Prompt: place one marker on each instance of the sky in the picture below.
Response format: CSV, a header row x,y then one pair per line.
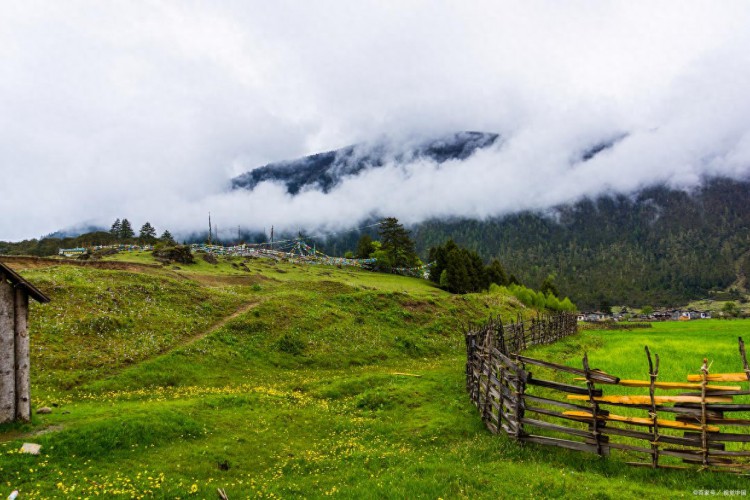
x,y
147,109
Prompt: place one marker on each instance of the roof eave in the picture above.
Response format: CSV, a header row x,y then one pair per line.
x,y
19,282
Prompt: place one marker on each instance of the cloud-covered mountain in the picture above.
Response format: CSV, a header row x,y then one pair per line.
x,y
324,171
151,117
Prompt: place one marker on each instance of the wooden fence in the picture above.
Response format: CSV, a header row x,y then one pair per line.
x,y
684,430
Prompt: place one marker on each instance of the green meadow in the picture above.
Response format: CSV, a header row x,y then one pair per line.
x,y
282,381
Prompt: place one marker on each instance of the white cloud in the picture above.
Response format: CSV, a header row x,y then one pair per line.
x,y
145,110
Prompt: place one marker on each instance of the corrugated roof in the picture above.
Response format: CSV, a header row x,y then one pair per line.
x,y
18,281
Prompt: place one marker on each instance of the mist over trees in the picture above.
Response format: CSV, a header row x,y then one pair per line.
x,y
661,247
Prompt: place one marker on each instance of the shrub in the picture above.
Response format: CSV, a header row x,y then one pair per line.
x,y
290,344
179,253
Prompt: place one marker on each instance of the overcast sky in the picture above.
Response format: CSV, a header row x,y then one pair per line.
x,y
145,110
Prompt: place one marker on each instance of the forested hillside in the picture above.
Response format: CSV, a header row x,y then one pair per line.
x,y
659,247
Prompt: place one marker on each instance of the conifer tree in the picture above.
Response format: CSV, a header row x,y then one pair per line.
x,y
465,270
548,286
397,243
116,228
148,233
126,230
496,274
438,256
458,277
167,238
365,247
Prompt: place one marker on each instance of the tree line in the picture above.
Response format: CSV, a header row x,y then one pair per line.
x,y
460,270
122,231
453,268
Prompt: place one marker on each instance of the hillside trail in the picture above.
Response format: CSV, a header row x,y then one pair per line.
x,y
211,329
19,434
31,262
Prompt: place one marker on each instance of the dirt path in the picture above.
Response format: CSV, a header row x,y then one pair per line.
x,y
40,262
211,329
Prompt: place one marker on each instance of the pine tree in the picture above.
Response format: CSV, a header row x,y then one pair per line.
x,y
365,247
397,243
116,228
475,268
438,256
548,286
496,274
458,279
126,230
148,233
166,237
465,270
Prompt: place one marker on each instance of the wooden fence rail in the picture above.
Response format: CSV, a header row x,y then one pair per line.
x,y
567,407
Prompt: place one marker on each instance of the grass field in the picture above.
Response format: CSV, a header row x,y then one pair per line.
x,y
291,381
681,345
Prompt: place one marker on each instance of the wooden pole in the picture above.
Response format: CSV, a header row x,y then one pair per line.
x,y
23,377
519,393
501,336
594,426
486,371
653,374
501,411
469,354
7,352
704,435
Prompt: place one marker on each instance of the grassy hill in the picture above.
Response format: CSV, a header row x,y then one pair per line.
x,y
278,380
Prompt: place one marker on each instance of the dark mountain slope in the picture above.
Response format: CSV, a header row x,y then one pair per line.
x,y
659,246
326,170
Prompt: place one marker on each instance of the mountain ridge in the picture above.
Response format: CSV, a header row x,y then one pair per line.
x,y
328,169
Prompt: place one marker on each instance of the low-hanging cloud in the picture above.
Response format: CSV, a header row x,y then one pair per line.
x,y
146,110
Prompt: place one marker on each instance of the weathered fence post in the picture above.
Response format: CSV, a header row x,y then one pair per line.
x,y
519,393
469,359
555,321
488,345
653,373
501,337
595,423
704,432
